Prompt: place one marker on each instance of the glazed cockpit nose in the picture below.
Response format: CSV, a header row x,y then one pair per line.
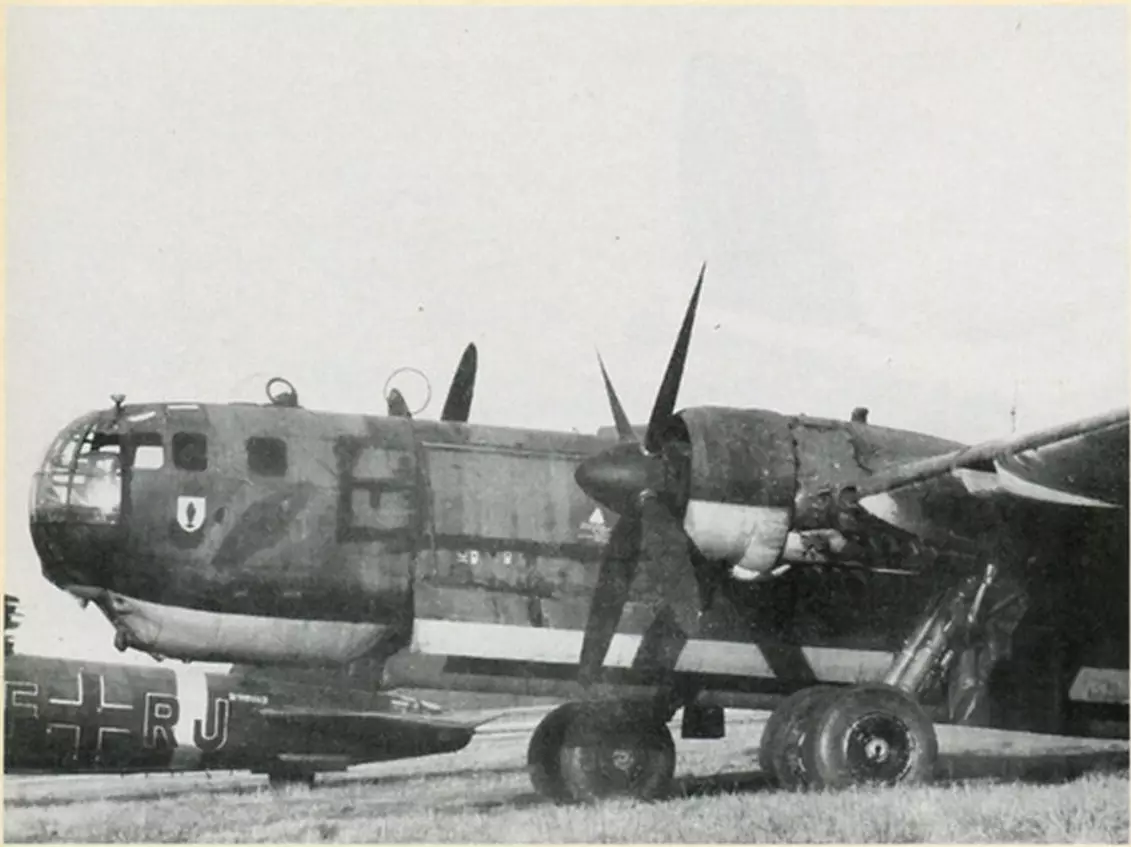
x,y
75,507
80,479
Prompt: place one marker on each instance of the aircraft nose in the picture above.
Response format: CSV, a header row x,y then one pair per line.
x,y
74,507
74,553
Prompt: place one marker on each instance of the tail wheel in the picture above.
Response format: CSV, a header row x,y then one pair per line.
x,y
543,756
780,750
607,753
869,734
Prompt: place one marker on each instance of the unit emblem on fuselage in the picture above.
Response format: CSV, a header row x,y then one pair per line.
x,y
190,513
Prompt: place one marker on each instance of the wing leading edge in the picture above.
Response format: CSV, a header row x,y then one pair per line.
x,y
1083,463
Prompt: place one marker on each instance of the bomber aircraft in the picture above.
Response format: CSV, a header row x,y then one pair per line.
x,y
864,581
70,716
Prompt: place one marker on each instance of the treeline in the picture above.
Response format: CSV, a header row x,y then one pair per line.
x,y
11,621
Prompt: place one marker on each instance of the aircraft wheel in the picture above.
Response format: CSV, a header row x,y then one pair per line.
x,y
543,755
279,778
868,734
608,751
779,752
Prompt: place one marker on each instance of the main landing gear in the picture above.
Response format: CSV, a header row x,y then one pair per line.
x,y
827,738
824,737
820,737
582,752
876,733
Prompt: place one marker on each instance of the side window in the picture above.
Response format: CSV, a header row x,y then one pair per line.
x,y
149,453
190,451
267,456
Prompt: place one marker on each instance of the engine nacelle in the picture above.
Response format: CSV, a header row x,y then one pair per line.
x,y
742,486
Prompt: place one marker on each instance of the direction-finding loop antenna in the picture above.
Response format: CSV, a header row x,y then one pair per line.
x,y
285,395
427,387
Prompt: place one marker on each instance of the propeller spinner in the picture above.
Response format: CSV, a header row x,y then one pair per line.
x,y
640,482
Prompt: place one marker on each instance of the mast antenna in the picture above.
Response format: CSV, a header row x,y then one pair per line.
x,y
1013,411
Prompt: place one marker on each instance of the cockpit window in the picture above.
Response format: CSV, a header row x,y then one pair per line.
x,y
190,451
96,487
267,456
62,456
149,453
52,486
81,478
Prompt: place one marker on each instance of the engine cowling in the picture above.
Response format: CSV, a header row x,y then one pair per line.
x,y
742,483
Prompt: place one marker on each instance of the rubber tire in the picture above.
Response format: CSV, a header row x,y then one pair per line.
x,y
543,754
779,752
848,721
286,778
597,736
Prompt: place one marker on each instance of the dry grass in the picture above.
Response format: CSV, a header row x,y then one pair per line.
x,y
482,795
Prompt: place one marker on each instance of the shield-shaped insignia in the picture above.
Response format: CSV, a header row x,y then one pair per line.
x,y
190,513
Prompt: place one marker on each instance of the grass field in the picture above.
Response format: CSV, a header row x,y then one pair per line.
x,y
994,788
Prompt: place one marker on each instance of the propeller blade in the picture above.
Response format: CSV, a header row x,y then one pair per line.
x,y
668,568
398,408
651,548
669,388
624,428
668,578
618,566
457,407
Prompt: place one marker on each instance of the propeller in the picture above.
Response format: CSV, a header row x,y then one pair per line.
x,y
457,406
641,483
398,407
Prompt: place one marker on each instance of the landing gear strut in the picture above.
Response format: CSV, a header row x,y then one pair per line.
x,y
826,738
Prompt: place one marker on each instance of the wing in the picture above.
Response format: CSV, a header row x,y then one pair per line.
x,y
1081,464
1089,469
406,734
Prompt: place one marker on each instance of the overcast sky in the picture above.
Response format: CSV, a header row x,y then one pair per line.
x,y
914,209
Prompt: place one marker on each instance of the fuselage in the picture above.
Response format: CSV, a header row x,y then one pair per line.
x,y
65,715
254,520
266,517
